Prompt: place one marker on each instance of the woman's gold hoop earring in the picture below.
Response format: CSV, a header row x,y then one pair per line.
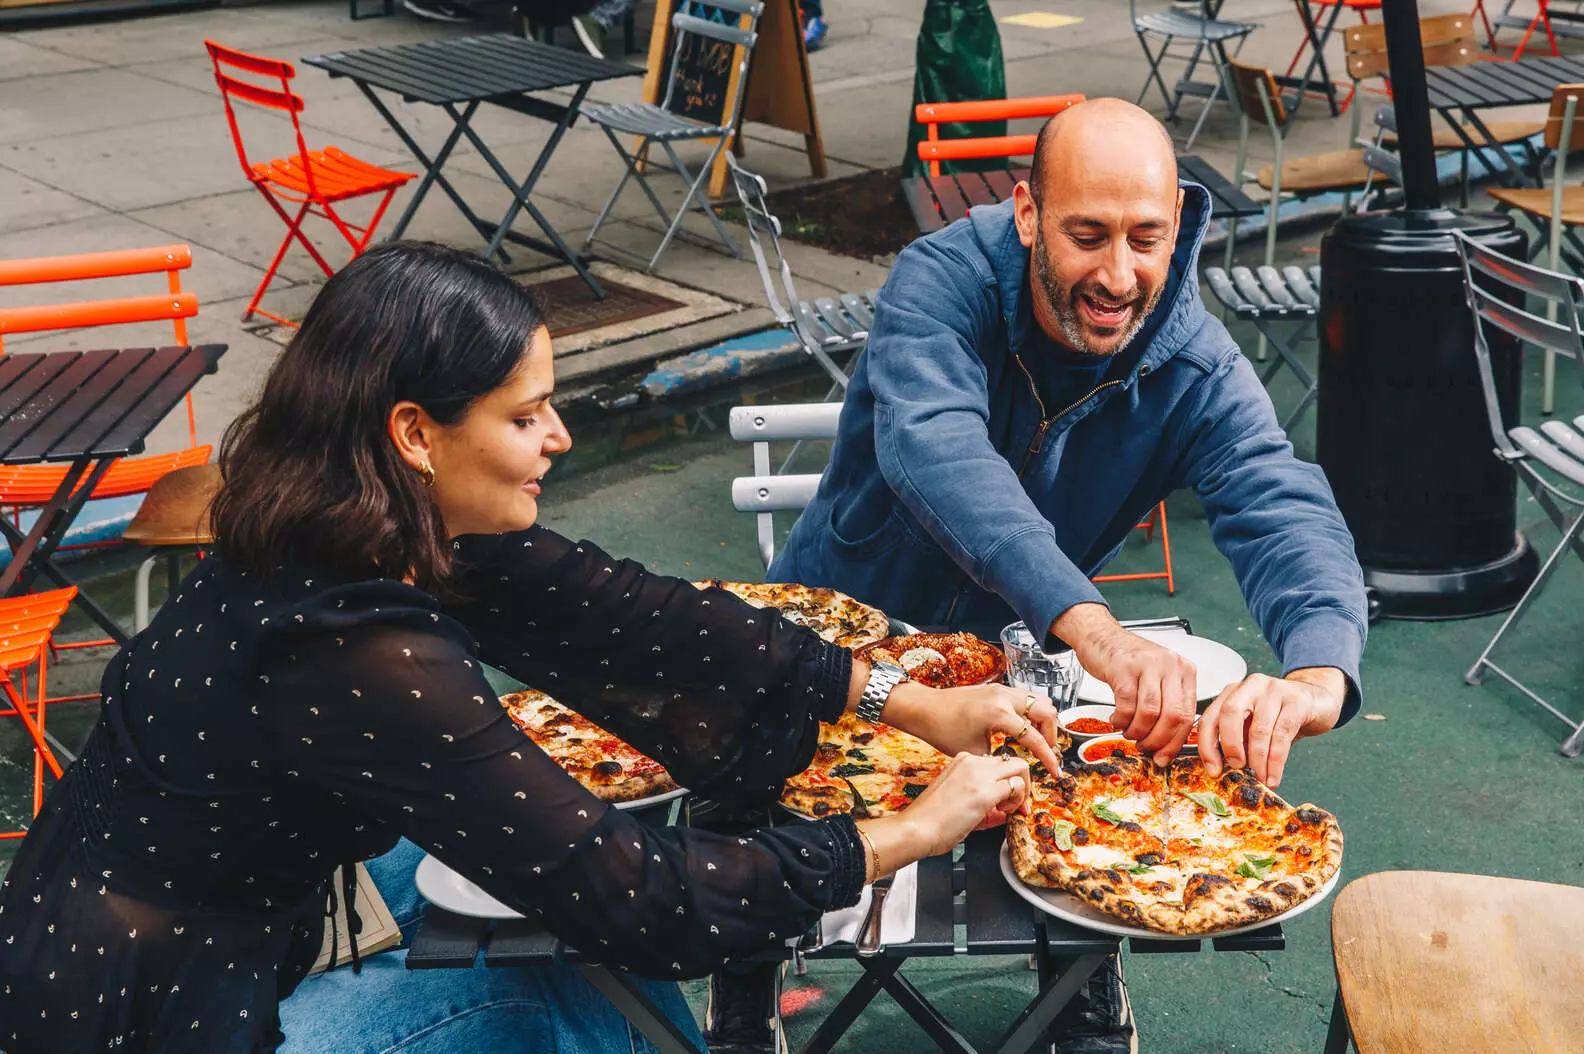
x,y
427,474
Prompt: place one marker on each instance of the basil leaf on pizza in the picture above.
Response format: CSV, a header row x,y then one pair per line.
x,y
1211,802
1103,810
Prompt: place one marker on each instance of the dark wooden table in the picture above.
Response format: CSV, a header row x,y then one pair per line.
x,y
86,409
970,892
458,75
1460,92
938,200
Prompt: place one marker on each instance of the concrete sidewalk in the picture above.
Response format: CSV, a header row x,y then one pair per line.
x,y
112,136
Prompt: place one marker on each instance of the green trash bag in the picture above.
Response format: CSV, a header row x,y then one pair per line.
x,y
958,60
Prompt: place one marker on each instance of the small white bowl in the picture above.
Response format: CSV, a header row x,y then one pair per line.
x,y
1099,711
1098,748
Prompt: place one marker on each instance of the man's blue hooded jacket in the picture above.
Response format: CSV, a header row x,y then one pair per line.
x,y
957,495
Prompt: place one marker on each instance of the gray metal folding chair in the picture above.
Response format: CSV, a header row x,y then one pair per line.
x,y
823,327
659,125
1208,36
1283,306
1550,461
765,493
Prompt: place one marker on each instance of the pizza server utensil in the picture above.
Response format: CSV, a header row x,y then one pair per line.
x,y
869,933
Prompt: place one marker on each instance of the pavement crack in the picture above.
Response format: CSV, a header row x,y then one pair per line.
x,y
1321,1006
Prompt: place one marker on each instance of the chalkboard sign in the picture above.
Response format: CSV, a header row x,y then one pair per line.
x,y
701,75
703,80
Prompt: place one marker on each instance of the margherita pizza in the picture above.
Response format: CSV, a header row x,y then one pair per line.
x,y
940,660
607,766
1173,850
836,617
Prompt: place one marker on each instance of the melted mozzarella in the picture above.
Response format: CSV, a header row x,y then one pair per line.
x,y
1137,807
913,658
1100,856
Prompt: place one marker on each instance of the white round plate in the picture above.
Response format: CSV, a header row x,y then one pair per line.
x,y
1066,906
1218,666
444,888
652,800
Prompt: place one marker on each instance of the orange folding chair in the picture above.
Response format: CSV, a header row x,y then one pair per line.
x,y
1542,17
30,486
26,624
1148,527
313,180
933,114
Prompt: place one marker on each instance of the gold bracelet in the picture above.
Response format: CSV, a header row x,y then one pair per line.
x,y
874,854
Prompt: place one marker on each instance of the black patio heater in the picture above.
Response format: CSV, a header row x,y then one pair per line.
x,y
1401,429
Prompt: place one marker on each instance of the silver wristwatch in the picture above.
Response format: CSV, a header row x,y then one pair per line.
x,y
883,676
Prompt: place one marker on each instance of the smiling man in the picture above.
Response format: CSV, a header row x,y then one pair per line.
x,y
1037,378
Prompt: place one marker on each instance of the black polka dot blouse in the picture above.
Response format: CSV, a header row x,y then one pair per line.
x,y
264,730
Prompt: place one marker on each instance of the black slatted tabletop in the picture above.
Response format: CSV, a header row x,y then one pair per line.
x,y
1489,84
68,405
465,69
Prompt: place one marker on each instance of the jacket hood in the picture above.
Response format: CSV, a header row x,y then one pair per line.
x,y
1176,318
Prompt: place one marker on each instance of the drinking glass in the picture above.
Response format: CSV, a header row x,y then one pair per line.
x,y
1054,674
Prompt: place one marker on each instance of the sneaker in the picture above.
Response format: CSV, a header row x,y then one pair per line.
x,y
439,10
1099,1020
814,31
589,33
742,1010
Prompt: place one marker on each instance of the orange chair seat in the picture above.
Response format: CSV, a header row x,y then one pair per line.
x,y
26,623
26,485
1536,201
337,175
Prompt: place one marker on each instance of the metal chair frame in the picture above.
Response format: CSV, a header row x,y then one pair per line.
x,y
822,326
1209,35
1284,306
657,124
1555,448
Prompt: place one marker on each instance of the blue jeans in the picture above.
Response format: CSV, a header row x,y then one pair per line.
x,y
389,1009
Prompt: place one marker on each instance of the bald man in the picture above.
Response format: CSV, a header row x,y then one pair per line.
x,y
1038,377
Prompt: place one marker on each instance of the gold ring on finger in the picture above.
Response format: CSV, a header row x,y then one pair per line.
x,y
1020,733
1031,701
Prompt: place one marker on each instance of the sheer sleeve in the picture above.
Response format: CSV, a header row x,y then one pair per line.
x,y
384,709
727,696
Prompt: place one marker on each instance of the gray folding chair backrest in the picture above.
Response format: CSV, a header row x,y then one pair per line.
x,y
1491,281
765,493
762,223
695,32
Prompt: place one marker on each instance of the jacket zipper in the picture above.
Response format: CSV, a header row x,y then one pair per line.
x,y
1046,422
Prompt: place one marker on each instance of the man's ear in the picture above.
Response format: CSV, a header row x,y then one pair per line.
x,y
1181,197
1025,214
409,427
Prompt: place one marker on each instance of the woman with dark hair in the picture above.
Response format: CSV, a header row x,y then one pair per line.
x,y
314,690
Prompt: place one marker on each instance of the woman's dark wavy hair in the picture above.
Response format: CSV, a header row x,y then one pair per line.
x,y
311,474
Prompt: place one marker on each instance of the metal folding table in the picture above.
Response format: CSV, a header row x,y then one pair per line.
x,y
1459,92
459,74
970,892
936,201
84,408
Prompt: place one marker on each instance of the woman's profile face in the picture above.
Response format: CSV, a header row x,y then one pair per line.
x,y
488,464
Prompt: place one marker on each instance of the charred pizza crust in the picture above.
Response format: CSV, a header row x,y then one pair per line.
x,y
836,617
1210,854
608,767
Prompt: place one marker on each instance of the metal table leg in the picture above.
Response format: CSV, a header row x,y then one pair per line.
x,y
32,553
431,167
1317,43
1337,1037
636,1007
1513,172
521,192
1026,1032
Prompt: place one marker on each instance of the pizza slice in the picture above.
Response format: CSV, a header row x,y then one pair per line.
x,y
888,767
836,617
1250,855
610,768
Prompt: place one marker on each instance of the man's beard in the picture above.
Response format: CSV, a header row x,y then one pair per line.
x,y
1063,303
